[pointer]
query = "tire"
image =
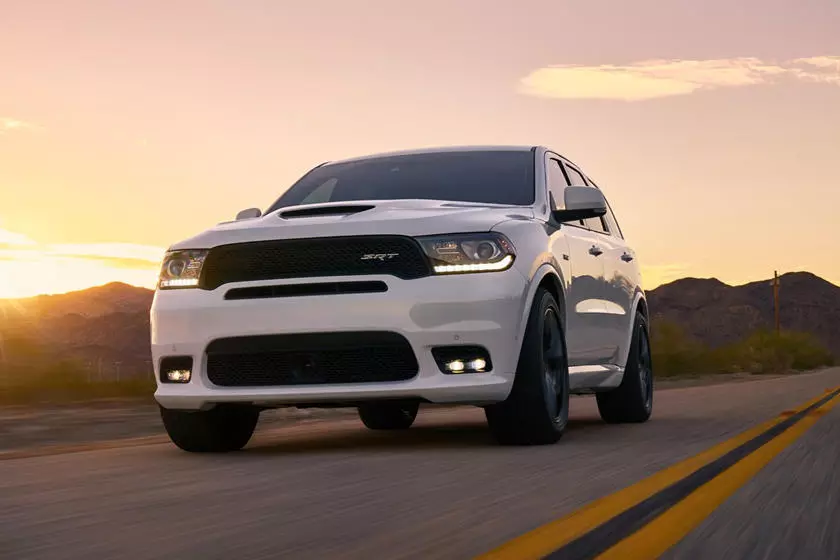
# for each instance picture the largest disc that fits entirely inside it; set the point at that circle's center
(632, 401)
(221, 429)
(388, 415)
(537, 410)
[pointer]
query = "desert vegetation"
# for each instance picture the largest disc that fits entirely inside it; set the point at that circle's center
(94, 344)
(675, 353)
(31, 373)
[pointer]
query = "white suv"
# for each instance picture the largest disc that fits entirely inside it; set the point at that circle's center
(489, 276)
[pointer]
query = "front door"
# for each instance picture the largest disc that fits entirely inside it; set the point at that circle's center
(585, 309)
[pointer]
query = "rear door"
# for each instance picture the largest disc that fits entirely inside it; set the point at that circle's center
(585, 333)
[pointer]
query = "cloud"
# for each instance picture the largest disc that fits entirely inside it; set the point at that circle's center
(119, 251)
(8, 125)
(10, 238)
(19, 245)
(652, 79)
(28, 267)
(820, 61)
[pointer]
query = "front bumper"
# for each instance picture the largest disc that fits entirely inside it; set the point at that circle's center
(470, 309)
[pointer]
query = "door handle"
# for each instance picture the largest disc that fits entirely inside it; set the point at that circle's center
(595, 250)
(627, 257)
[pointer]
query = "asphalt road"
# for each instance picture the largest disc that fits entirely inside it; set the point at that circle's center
(441, 490)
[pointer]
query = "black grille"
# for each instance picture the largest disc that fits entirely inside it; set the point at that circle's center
(309, 258)
(301, 290)
(310, 359)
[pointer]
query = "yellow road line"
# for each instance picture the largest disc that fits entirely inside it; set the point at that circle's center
(551, 536)
(672, 526)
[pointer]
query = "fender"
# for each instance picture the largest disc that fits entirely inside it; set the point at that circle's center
(548, 267)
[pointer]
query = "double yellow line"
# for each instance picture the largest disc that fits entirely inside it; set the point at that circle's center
(648, 518)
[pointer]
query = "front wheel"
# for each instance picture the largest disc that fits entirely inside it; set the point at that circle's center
(632, 401)
(388, 415)
(537, 410)
(221, 429)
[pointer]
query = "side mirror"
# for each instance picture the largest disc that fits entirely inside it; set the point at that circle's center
(249, 213)
(581, 203)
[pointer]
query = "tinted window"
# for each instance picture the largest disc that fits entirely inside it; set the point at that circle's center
(612, 223)
(498, 177)
(575, 176)
(595, 224)
(609, 218)
(556, 181)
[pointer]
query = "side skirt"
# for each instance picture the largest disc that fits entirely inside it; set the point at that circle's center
(585, 380)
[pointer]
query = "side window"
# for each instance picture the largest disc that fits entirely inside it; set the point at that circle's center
(575, 177)
(612, 223)
(557, 181)
(596, 224)
(609, 221)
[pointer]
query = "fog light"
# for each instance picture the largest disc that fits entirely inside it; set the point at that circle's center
(477, 365)
(176, 369)
(455, 366)
(463, 358)
(178, 375)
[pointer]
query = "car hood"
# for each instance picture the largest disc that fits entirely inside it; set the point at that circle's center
(375, 217)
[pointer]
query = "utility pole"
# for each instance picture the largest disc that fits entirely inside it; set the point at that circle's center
(776, 300)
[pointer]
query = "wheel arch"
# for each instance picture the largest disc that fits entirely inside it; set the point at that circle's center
(550, 278)
(639, 306)
(642, 306)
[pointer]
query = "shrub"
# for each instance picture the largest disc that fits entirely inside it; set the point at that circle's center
(677, 353)
(767, 352)
(674, 352)
(30, 376)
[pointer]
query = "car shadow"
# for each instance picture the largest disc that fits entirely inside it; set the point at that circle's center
(452, 435)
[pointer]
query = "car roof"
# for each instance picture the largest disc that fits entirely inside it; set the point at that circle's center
(438, 149)
(466, 148)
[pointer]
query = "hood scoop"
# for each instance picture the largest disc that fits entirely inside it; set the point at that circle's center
(326, 211)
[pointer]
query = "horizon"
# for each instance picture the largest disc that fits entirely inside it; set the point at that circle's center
(126, 129)
(117, 283)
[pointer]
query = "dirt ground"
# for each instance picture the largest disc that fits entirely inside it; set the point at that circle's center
(78, 424)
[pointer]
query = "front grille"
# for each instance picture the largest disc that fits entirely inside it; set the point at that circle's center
(310, 359)
(310, 258)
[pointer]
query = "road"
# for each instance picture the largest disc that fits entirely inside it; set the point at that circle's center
(332, 489)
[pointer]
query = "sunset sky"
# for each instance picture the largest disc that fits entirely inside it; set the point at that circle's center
(713, 127)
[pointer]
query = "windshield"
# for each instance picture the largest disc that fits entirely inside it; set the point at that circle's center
(490, 176)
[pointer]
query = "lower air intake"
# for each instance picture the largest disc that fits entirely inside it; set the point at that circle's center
(310, 359)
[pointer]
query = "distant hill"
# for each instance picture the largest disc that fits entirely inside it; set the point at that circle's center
(717, 314)
(105, 328)
(110, 324)
(104, 300)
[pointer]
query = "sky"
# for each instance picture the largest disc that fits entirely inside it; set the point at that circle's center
(125, 126)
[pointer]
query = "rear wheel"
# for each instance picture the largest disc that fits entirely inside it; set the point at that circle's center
(632, 401)
(388, 415)
(221, 429)
(537, 410)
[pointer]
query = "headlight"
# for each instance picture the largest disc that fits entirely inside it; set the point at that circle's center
(473, 252)
(181, 269)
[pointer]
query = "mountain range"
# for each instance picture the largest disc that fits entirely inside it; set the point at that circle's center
(110, 324)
